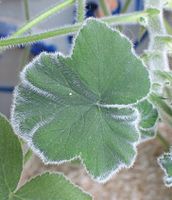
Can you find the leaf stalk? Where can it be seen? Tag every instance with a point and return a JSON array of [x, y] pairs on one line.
[[71, 29]]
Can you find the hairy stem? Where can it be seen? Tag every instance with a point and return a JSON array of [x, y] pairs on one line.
[[80, 10], [156, 27], [164, 42], [111, 20], [43, 16]]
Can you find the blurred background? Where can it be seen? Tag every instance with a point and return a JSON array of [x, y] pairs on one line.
[[13, 15]]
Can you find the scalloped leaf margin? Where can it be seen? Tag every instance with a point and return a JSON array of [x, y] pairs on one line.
[[83, 102]]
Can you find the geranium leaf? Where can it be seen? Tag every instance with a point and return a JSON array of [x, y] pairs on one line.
[[10, 159], [78, 106], [165, 162], [47, 186], [164, 75], [105, 62], [163, 107], [50, 187], [148, 119]]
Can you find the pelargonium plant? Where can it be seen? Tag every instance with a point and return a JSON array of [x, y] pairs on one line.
[[95, 104]]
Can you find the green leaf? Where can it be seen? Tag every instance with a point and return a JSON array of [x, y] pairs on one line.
[[47, 186], [50, 187], [165, 162], [148, 119], [10, 159], [80, 105], [108, 66], [164, 75], [163, 107]]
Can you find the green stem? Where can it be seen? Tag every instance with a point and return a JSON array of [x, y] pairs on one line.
[[11, 196], [165, 38], [37, 37], [104, 8], [163, 141], [27, 156], [81, 10], [168, 26], [43, 16], [111, 20], [26, 51], [134, 17], [164, 109], [156, 27], [26, 8], [125, 8], [164, 42], [25, 57]]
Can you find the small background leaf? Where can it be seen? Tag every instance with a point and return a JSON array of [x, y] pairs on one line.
[[165, 162], [10, 159], [50, 187], [163, 107], [149, 116]]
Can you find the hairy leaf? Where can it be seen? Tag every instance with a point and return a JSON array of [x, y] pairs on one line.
[[165, 162], [163, 107], [149, 116], [50, 187], [47, 186], [10, 159], [164, 75], [80, 105]]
